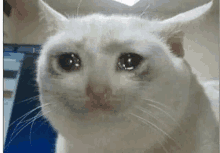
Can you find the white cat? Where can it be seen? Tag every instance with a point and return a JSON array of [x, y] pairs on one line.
[[120, 84]]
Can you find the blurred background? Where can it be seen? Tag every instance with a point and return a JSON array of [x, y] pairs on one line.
[[25, 31]]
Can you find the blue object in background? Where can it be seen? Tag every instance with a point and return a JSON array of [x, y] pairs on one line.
[[37, 136]]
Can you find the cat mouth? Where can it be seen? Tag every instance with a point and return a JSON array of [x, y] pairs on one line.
[[98, 108], [101, 105]]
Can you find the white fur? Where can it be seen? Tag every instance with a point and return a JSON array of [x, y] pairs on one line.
[[165, 110]]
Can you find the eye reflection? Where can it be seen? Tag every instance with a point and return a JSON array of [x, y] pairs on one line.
[[69, 62], [129, 61]]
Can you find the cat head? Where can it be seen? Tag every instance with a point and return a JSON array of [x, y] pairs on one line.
[[97, 66]]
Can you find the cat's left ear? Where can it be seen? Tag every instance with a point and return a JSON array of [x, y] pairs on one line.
[[172, 29], [54, 19]]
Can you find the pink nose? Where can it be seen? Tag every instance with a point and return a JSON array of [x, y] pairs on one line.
[[97, 92], [98, 95]]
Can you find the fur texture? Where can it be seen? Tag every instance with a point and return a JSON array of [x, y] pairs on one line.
[[158, 107]]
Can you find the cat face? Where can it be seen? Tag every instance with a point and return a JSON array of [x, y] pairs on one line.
[[106, 61], [110, 71]]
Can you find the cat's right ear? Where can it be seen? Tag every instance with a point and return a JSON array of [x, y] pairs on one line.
[[172, 30], [54, 19]]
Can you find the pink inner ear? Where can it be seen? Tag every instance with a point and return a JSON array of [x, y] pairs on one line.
[[175, 42], [19, 8], [177, 49]]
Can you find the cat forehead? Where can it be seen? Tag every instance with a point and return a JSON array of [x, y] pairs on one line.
[[104, 33], [108, 46], [112, 21], [107, 27]]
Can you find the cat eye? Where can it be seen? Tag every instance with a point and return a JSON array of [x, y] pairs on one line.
[[69, 62], [128, 61]]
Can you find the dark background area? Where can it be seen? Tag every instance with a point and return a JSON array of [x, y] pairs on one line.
[[38, 136]]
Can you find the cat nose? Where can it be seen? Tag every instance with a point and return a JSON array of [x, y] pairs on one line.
[[97, 90]]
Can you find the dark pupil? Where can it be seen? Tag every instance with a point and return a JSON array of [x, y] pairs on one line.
[[69, 61], [129, 61]]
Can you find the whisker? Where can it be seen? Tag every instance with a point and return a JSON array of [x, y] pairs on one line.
[[46, 119], [40, 114], [28, 113], [166, 114], [26, 121], [147, 112], [36, 117], [24, 116], [163, 147], [156, 119], [31, 98], [144, 10], [15, 129], [148, 122], [77, 11], [43, 121], [156, 102], [179, 126], [11, 139]]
